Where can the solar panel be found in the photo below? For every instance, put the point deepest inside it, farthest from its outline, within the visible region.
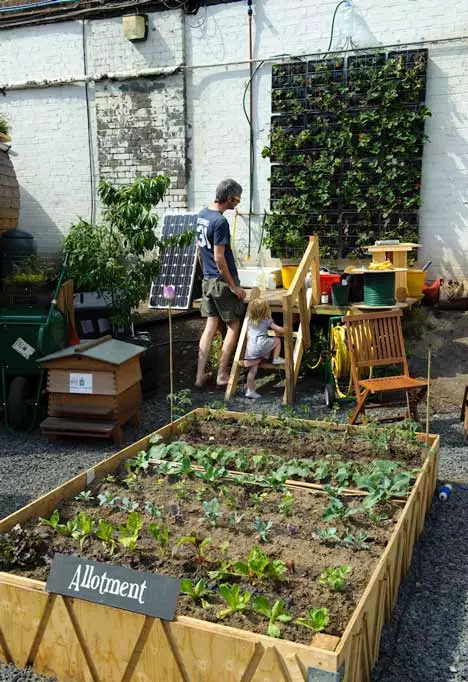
(178, 266)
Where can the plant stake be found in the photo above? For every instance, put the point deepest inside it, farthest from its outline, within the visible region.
(169, 294)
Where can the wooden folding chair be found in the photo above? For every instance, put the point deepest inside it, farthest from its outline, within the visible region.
(376, 340)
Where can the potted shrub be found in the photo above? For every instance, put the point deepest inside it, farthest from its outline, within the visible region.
(4, 130)
(120, 257)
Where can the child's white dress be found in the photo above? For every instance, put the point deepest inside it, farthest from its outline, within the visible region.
(259, 344)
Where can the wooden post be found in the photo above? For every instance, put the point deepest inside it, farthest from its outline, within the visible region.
(288, 350)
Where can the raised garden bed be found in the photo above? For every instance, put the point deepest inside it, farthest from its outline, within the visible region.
(227, 499)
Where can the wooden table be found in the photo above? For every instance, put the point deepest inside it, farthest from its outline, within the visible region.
(274, 298)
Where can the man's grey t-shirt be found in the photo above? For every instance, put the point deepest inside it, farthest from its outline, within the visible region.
(213, 229)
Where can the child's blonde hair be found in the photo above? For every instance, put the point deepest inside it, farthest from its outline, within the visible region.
(259, 310)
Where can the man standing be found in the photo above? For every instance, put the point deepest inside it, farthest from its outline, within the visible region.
(223, 298)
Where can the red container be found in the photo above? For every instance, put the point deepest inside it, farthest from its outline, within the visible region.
(326, 281)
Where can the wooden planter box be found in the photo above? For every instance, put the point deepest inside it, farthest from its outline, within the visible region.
(78, 641)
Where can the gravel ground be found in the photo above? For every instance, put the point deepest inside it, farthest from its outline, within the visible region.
(428, 637)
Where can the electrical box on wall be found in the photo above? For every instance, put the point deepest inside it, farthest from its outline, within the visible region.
(135, 27)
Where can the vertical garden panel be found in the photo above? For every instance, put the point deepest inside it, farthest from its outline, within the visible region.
(346, 145)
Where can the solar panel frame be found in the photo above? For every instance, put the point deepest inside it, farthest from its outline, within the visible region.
(178, 265)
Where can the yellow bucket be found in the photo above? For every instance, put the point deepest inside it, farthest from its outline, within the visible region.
(287, 274)
(415, 282)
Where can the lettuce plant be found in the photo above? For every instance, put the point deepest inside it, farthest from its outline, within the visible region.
(276, 614)
(236, 600)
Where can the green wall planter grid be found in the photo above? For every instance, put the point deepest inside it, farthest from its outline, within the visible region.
(346, 146)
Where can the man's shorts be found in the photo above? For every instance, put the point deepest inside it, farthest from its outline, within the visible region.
(219, 301)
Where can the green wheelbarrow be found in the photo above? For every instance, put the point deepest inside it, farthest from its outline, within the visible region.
(27, 333)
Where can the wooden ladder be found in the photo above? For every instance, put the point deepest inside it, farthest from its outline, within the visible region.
(298, 299)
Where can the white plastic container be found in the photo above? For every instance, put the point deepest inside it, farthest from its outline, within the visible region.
(253, 276)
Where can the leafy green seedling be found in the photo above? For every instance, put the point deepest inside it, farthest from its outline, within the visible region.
(262, 527)
(140, 463)
(235, 518)
(260, 567)
(105, 533)
(316, 619)
(236, 600)
(276, 614)
(327, 535)
(257, 499)
(154, 510)
(343, 474)
(337, 509)
(161, 535)
(199, 545)
(131, 481)
(127, 505)
(108, 499)
(357, 541)
(212, 475)
(84, 528)
(335, 578)
(130, 532)
(85, 496)
(198, 591)
(53, 521)
(110, 478)
(285, 504)
(212, 512)
(321, 470)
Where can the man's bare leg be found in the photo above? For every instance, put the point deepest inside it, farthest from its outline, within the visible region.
(211, 328)
(230, 340)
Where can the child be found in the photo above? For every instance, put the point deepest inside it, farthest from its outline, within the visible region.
(260, 346)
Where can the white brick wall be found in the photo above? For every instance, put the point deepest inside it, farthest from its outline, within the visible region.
(219, 132)
(49, 126)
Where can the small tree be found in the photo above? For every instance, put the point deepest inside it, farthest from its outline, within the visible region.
(122, 255)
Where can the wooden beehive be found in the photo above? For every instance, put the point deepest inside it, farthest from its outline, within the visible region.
(94, 388)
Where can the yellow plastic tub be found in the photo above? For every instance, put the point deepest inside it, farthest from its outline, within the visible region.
(415, 282)
(287, 274)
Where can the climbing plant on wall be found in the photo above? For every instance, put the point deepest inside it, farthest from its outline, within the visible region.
(346, 147)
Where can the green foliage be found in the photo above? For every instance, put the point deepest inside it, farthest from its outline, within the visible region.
(153, 510)
(285, 505)
(161, 534)
(140, 463)
(4, 126)
(108, 499)
(105, 533)
(335, 578)
(356, 159)
(316, 619)
(236, 600)
(212, 512)
(120, 256)
(276, 614)
(53, 521)
(199, 545)
(85, 496)
(130, 532)
(197, 591)
(262, 527)
(259, 566)
(181, 402)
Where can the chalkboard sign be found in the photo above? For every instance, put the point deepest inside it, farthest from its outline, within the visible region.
(123, 588)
